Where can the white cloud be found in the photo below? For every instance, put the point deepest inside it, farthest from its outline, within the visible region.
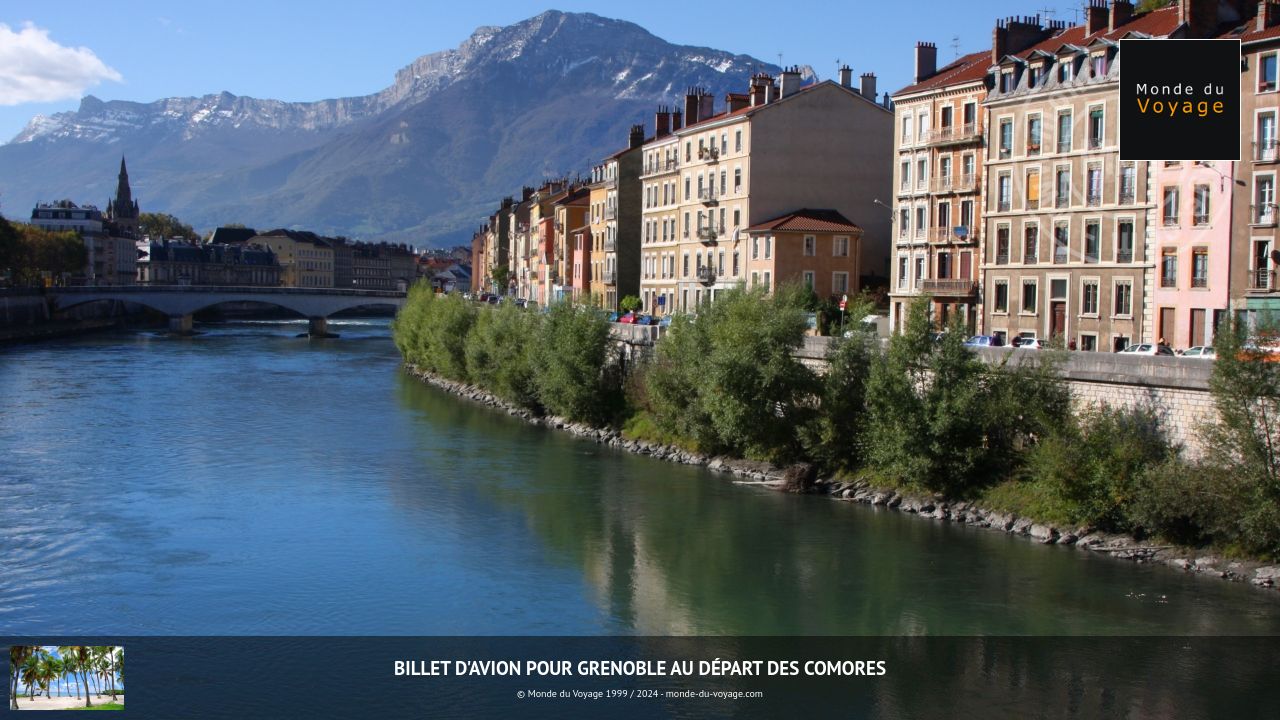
(34, 68)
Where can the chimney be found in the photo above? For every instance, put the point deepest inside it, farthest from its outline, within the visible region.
(759, 82)
(526, 193)
(846, 76)
(706, 104)
(662, 122)
(1121, 11)
(1015, 34)
(770, 92)
(790, 81)
(868, 88)
(926, 60)
(1095, 16)
(691, 106)
(1268, 14)
(735, 101)
(677, 120)
(1200, 17)
(636, 139)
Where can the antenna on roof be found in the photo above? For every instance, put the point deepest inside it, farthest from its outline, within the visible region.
(955, 45)
(780, 59)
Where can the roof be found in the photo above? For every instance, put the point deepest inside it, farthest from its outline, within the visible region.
(965, 69)
(807, 220)
(1248, 32)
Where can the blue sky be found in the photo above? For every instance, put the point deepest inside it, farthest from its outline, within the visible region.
(51, 54)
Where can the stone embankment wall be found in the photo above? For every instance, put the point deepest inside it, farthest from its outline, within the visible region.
(1176, 388)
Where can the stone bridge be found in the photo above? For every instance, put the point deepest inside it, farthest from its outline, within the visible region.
(180, 302)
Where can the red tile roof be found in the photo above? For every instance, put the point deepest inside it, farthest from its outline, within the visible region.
(966, 69)
(807, 220)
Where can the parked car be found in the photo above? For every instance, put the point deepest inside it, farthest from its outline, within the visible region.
(1028, 343)
(645, 320)
(1205, 352)
(1148, 349)
(664, 321)
(614, 317)
(984, 341)
(628, 319)
(494, 299)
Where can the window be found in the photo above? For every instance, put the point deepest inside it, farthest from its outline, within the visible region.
(944, 266)
(1062, 193)
(1168, 268)
(902, 271)
(970, 116)
(810, 245)
(1128, 183)
(1061, 243)
(922, 173)
(1099, 63)
(686, 187)
(1006, 81)
(1202, 205)
(1004, 190)
(737, 141)
(944, 170)
(1033, 135)
(1096, 132)
(766, 281)
(1200, 268)
(1124, 241)
(922, 221)
(1031, 244)
(1029, 290)
(839, 283)
(919, 269)
(1092, 240)
(1093, 185)
(1006, 138)
(1267, 72)
(768, 247)
(966, 215)
(735, 263)
(1064, 71)
(1002, 296)
(1002, 245)
(1064, 132)
(808, 279)
(686, 264)
(840, 246)
(1033, 75)
(1089, 297)
(1032, 200)
(737, 217)
(905, 182)
(944, 217)
(1170, 206)
(1124, 298)
(1265, 200)
(1088, 342)
(904, 222)
(737, 180)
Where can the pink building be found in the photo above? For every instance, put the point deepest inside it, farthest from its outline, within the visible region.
(581, 267)
(1191, 250)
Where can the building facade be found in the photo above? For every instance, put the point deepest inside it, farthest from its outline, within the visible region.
(818, 248)
(937, 176)
(169, 262)
(306, 260)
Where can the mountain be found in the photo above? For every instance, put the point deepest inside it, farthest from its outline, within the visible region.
(421, 161)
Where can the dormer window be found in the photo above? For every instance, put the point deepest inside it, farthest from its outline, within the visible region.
(1064, 70)
(1006, 81)
(1033, 77)
(1099, 63)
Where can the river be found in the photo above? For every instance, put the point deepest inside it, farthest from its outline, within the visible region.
(249, 482)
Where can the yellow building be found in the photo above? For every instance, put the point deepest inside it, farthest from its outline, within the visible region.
(305, 259)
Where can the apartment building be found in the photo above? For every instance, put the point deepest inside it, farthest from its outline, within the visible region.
(1192, 249)
(937, 179)
(595, 235)
(305, 259)
(622, 218)
(659, 180)
(1255, 251)
(570, 210)
(819, 248)
(774, 150)
(518, 244)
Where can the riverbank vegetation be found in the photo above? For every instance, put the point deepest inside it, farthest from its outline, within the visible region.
(923, 415)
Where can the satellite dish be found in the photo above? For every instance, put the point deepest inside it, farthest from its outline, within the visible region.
(961, 231)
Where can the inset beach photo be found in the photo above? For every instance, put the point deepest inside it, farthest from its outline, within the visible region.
(66, 677)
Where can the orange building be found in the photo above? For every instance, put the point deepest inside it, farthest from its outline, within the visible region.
(819, 248)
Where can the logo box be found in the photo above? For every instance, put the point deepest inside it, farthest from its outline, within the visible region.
(1179, 99)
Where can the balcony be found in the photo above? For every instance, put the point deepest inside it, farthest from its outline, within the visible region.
(1199, 281)
(1002, 258)
(1064, 146)
(710, 154)
(610, 212)
(1033, 149)
(1003, 206)
(948, 235)
(1060, 256)
(952, 288)
(1030, 256)
(1199, 219)
(706, 274)
(1265, 152)
(953, 135)
(1061, 201)
(1262, 214)
(1095, 143)
(1093, 200)
(1005, 153)
(610, 244)
(1261, 280)
(708, 196)
(1032, 203)
(1124, 255)
(609, 277)
(709, 233)
(1126, 196)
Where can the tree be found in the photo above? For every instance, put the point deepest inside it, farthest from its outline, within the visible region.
(837, 436)
(630, 303)
(18, 656)
(81, 656)
(569, 364)
(1149, 5)
(499, 353)
(501, 276)
(163, 226)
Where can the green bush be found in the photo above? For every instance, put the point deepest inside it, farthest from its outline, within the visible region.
(728, 379)
(410, 322)
(569, 364)
(499, 352)
(1097, 464)
(836, 437)
(446, 322)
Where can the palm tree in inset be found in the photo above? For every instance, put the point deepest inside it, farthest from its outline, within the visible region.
(50, 670)
(31, 674)
(112, 652)
(81, 655)
(69, 667)
(18, 656)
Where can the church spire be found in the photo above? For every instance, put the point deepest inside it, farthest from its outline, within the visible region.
(123, 209)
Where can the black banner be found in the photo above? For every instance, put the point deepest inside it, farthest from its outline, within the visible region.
(648, 677)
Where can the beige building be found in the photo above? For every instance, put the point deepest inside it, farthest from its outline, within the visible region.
(305, 259)
(776, 149)
(593, 274)
(937, 179)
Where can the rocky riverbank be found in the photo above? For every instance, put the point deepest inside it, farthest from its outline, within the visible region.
(801, 478)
